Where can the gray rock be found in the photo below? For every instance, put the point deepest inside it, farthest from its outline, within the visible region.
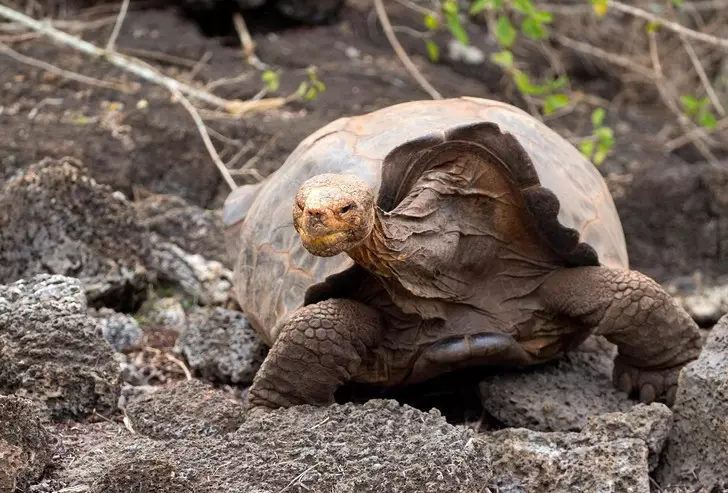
(649, 423)
(207, 281)
(52, 351)
(57, 220)
(120, 330)
(697, 448)
(26, 447)
(184, 410)
(558, 396)
(188, 226)
(379, 446)
(611, 454)
(219, 344)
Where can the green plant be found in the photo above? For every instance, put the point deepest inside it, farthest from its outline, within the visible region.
(699, 110)
(532, 22)
(271, 80)
(309, 89)
(598, 146)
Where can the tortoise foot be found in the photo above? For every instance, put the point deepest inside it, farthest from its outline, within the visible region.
(647, 385)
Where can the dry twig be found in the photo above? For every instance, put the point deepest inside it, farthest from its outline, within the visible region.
(703, 76)
(401, 53)
(135, 66)
(672, 26)
(205, 138)
(117, 26)
(33, 62)
(246, 41)
(670, 103)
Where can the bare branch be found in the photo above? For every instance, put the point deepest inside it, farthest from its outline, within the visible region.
(703, 76)
(409, 65)
(135, 66)
(33, 62)
(205, 138)
(672, 26)
(117, 26)
(247, 42)
(670, 103)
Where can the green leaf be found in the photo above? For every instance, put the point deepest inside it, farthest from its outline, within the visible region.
(600, 156)
(533, 29)
(478, 6)
(678, 3)
(542, 16)
(554, 102)
(433, 51)
(311, 94)
(504, 31)
(557, 83)
(524, 84)
(652, 26)
(597, 117)
(523, 6)
(271, 80)
(431, 22)
(587, 148)
(690, 104)
(302, 87)
(605, 135)
(707, 120)
(450, 7)
(503, 58)
(600, 7)
(457, 30)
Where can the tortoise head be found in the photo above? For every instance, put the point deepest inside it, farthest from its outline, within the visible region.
(333, 213)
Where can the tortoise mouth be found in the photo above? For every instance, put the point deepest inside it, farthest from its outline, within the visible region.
(327, 244)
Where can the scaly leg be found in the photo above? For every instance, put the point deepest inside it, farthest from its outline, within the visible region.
(655, 337)
(320, 347)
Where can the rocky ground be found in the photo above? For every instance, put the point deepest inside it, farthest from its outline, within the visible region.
(123, 361)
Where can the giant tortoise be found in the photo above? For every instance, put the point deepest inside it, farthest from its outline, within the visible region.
(430, 236)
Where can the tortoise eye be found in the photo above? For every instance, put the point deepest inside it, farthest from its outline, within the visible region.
(347, 208)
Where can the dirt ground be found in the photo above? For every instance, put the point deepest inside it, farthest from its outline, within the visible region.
(674, 209)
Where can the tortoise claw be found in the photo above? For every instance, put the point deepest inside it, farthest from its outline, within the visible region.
(647, 385)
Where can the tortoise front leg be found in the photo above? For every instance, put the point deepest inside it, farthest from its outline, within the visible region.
(319, 348)
(655, 337)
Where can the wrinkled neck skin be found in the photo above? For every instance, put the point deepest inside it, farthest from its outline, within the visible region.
(377, 252)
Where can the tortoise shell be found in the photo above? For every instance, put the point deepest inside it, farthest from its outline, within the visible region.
(274, 273)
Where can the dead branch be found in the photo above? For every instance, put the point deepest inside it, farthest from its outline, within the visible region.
(667, 24)
(247, 43)
(33, 62)
(703, 76)
(117, 26)
(205, 137)
(670, 103)
(135, 66)
(401, 53)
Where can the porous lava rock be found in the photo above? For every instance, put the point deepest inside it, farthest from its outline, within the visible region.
(220, 344)
(26, 447)
(52, 351)
(185, 410)
(612, 453)
(188, 226)
(558, 396)
(697, 448)
(55, 219)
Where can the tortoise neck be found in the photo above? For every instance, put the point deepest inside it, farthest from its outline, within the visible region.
(375, 253)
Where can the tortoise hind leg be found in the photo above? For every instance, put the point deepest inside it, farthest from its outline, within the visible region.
(319, 348)
(655, 337)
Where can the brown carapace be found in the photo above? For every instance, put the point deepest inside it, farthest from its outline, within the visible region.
(396, 246)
